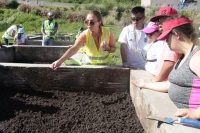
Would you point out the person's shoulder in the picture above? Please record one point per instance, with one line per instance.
(161, 42)
(194, 63)
(128, 27)
(84, 33)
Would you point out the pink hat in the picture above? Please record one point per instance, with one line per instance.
(170, 24)
(166, 11)
(151, 27)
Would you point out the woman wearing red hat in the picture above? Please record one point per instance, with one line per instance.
(183, 84)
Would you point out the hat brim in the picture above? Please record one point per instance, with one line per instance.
(156, 18)
(164, 35)
(149, 30)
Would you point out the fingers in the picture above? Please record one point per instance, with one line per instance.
(55, 65)
(181, 112)
(138, 83)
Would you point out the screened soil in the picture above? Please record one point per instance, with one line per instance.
(34, 111)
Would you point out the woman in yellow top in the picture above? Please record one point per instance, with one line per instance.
(98, 42)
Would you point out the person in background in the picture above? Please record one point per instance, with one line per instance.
(183, 85)
(10, 33)
(133, 40)
(165, 13)
(155, 49)
(49, 29)
(98, 41)
(20, 38)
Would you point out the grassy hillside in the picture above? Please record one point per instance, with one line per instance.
(116, 14)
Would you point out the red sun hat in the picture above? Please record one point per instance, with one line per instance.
(165, 11)
(173, 23)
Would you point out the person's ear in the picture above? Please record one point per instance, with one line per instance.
(177, 35)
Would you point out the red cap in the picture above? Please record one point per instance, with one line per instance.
(166, 11)
(170, 24)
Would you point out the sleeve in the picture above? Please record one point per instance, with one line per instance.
(170, 55)
(123, 36)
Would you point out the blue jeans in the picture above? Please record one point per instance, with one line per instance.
(47, 41)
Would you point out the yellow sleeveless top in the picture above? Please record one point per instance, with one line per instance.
(97, 56)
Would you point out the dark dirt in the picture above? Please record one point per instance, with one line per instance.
(33, 111)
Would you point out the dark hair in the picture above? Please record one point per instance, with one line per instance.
(98, 15)
(138, 9)
(188, 31)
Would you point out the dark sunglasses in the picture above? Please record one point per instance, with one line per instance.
(90, 22)
(137, 18)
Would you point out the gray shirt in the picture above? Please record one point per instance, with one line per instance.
(181, 79)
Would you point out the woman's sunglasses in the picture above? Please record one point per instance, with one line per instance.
(90, 22)
(137, 18)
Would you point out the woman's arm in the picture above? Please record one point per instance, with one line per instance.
(71, 51)
(112, 43)
(155, 86)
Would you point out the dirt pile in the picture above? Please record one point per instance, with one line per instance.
(66, 112)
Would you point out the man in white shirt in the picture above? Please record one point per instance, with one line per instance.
(133, 40)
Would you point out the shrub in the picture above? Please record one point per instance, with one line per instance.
(2, 3)
(24, 8)
(57, 13)
(3, 25)
(76, 17)
(101, 8)
(36, 11)
(109, 20)
(13, 4)
(11, 19)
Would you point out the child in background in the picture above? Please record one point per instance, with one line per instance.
(20, 38)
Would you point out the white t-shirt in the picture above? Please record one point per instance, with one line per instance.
(135, 40)
(155, 53)
(10, 31)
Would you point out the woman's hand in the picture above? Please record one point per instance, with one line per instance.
(56, 64)
(188, 113)
(139, 83)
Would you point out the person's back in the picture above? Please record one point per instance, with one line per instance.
(20, 38)
(133, 40)
(9, 34)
